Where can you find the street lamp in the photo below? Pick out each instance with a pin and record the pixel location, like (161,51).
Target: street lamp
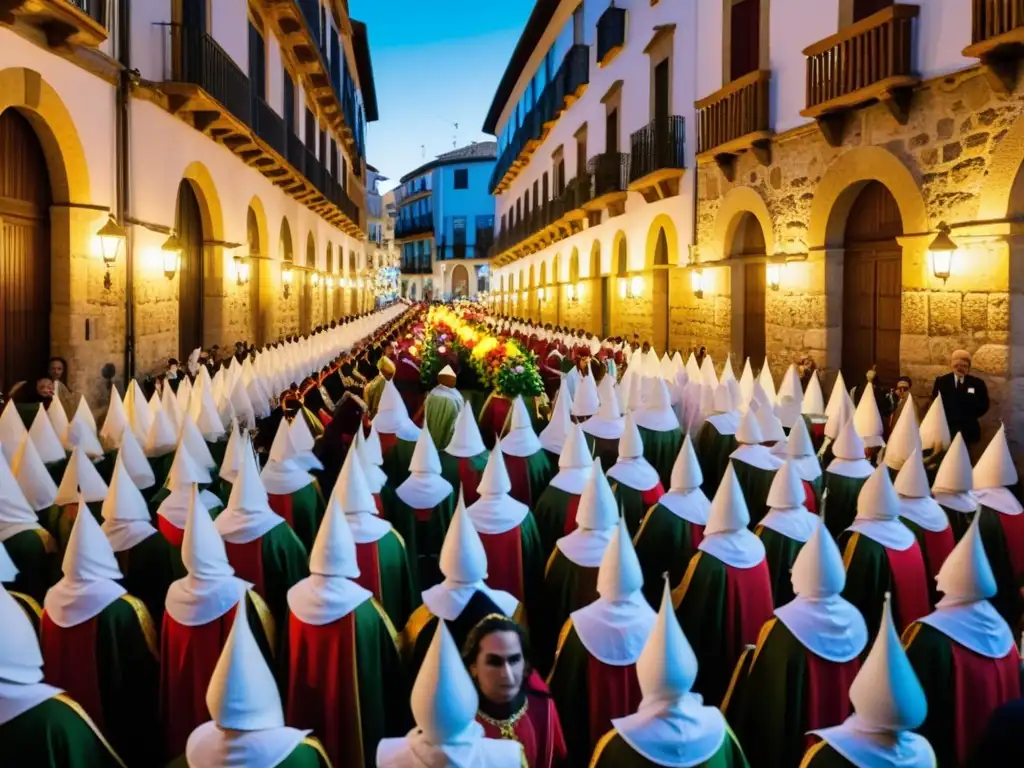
(111,236)
(286,279)
(774,274)
(171,251)
(241,270)
(942,250)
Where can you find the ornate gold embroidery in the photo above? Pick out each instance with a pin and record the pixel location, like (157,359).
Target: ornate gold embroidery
(77,709)
(145,622)
(507,728)
(387,621)
(601,744)
(266,620)
(312,741)
(28,602)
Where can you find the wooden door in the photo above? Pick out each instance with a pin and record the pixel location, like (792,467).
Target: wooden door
(24,253)
(611,124)
(189,225)
(745,40)
(460,281)
(872,287)
(754,284)
(864,8)
(661,92)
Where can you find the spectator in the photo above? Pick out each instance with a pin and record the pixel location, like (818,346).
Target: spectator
(964,398)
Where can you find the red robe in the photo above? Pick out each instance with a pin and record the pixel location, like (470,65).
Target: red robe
(174,535)
(538,729)
(613,692)
(505,562)
(982,686)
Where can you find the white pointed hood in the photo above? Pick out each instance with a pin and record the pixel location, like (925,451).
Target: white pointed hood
(607,423)
(162,436)
(905,437)
(574,463)
(848,450)
(800,450)
(125,514)
(232,460)
(867,420)
(47,443)
(586,400)
(596,517)
(521,440)
(994,474)
(935,435)
(726,536)
(685,499)
(16,514)
(201,405)
(657,414)
(352,492)
(425,488)
(33,479)
(80,479)
(750,438)
(916,502)
(21,659)
(58,419)
(135,461)
(185,470)
(786,491)
(496,512)
(823,622)
(837,395)
(283,474)
(954,482)
(184,474)
(746,383)
(304,443)
(197,447)
(140,417)
(814,400)
(444,699)
(466,440)
(248,515)
(169,405)
(392,416)
(767,382)
(790,399)
(12,429)
(79,433)
(553,436)
(671,726)
(615,627)
(90,574)
(375,476)
(632,469)
(878,513)
(842,413)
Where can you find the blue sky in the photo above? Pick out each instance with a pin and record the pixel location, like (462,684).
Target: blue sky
(435,63)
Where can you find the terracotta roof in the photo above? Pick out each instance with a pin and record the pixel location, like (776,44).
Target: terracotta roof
(471,153)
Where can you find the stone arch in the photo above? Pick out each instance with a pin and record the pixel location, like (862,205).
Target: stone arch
(285,242)
(574,265)
(310,262)
(543,274)
(209,201)
(620,255)
(1002,194)
(595,259)
(460,282)
(842,183)
(670,257)
(736,204)
(256,225)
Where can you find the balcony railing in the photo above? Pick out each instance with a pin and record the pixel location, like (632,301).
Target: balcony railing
(997,38)
(415,225)
(611,34)
(94,9)
(268,125)
(609,173)
(991,19)
(296,153)
(197,58)
(733,116)
(417,266)
(868,60)
(572,75)
(569,205)
(658,146)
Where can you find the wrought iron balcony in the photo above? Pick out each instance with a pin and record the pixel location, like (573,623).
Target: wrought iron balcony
(736,119)
(609,174)
(657,157)
(611,34)
(268,125)
(552,220)
(414,225)
(997,38)
(197,58)
(871,60)
(296,153)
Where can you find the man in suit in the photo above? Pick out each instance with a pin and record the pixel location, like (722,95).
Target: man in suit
(964,398)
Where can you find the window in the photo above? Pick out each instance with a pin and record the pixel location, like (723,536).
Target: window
(744,37)
(257,63)
(289,102)
(462,178)
(577,25)
(459,230)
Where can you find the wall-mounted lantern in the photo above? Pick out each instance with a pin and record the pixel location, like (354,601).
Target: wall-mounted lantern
(314,279)
(330,282)
(540,295)
(697,282)
(287,275)
(636,287)
(171,253)
(241,270)
(942,251)
(111,236)
(773,271)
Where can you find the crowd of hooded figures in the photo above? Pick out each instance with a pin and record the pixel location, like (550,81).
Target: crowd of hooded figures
(661,565)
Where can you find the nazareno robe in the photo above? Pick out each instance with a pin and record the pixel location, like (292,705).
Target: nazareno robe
(935,548)
(755,482)
(464,473)
(555,515)
(873,569)
(34,553)
(188,655)
(713,450)
(635,503)
(108,664)
(721,609)
(530,475)
(589,693)
(440,410)
(786,691)
(780,553)
(385,571)
(397,455)
(842,504)
(612,751)
(330,671)
(568,586)
(56,733)
(661,449)
(302,510)
(423,531)
(149,567)
(664,543)
(532,720)
(309,754)
(1002,535)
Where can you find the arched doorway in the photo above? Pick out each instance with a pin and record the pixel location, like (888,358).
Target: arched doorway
(25,199)
(748,244)
(460,281)
(256,311)
(306,289)
(412,291)
(872,286)
(188,223)
(620,263)
(659,293)
(287,259)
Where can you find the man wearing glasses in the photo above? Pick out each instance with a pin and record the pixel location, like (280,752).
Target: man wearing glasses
(964,398)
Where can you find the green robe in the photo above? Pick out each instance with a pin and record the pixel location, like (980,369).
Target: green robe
(423,539)
(661,450)
(398,595)
(780,552)
(450,471)
(149,567)
(823,755)
(307,510)
(34,553)
(606,450)
(664,543)
(567,587)
(958,521)
(309,754)
(285,564)
(1008,600)
(59,520)
(631,503)
(550,513)
(439,415)
(755,484)
(397,460)
(56,734)
(161,466)
(713,450)
(842,503)
(612,751)
(569,683)
(931,655)
(768,704)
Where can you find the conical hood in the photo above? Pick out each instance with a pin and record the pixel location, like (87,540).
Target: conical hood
(955,474)
(848,444)
(597,510)
(692,369)
(609,409)
(197,447)
(124,500)
(747,382)
(283,448)
(463,559)
(658,397)
(838,394)
(769,424)
(995,467)
(135,461)
(966,575)
(791,387)
(334,550)
(169,404)
(85,413)
(299,432)
(466,440)
(373,449)
(12,428)
(248,494)
(722,401)
(80,479)
(866,419)
(814,400)
(787,490)
(708,377)
(140,417)
(202,549)
(201,405)
(767,382)
(351,490)
(58,418)
(80,434)
(47,443)
(88,556)
(586,401)
(935,435)
(912,479)
(553,436)
(877,499)
(520,415)
(444,699)
(728,508)
(575,452)
(630,444)
(392,414)
(619,576)
(162,435)
(905,437)
(842,413)
(33,479)
(424,457)
(21,660)
(184,470)
(818,571)
(495,480)
(242,695)
(667,667)
(727,371)
(14,507)
(886,694)
(799,445)
(230,464)
(749,431)
(686,472)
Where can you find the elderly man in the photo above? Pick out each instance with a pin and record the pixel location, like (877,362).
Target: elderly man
(964,397)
